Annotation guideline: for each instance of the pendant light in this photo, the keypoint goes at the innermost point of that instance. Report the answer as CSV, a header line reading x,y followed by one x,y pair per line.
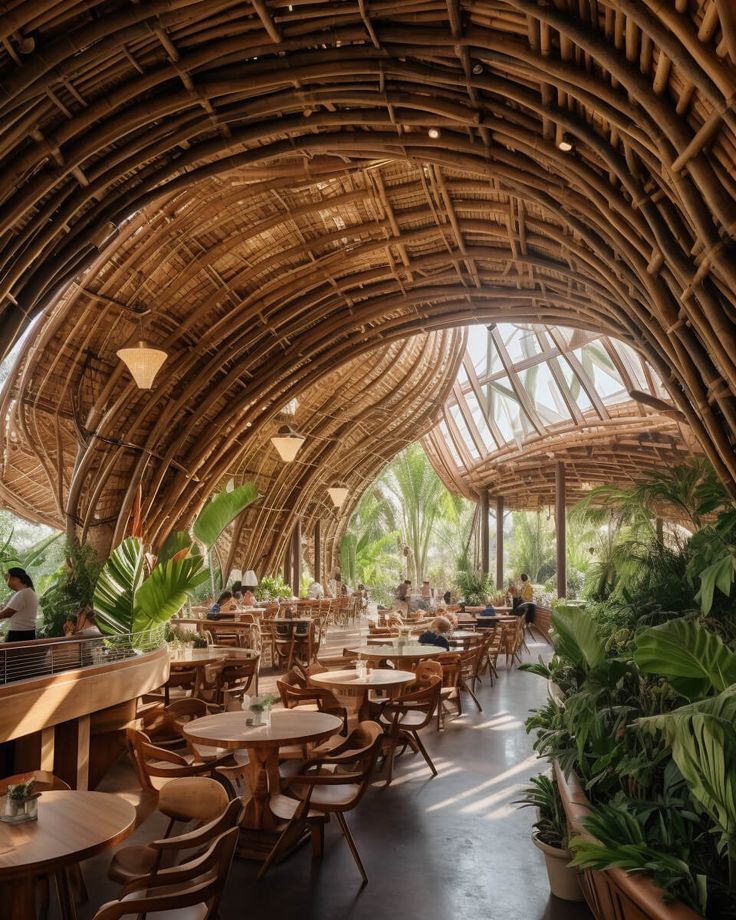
x,y
338,494
287,442
143,362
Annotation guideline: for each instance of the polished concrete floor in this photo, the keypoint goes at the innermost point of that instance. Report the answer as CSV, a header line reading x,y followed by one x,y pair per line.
x,y
449,848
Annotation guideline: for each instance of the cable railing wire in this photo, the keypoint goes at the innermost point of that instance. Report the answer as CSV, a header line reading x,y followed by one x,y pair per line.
x,y
44,658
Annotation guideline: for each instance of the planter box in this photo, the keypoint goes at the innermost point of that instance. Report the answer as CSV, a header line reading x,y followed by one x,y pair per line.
x,y
612,894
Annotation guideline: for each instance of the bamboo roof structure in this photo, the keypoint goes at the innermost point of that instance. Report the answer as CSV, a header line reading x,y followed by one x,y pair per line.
x,y
278,192
528,396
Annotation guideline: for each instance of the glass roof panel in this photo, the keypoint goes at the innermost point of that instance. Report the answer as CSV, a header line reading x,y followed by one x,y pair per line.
x,y
546,369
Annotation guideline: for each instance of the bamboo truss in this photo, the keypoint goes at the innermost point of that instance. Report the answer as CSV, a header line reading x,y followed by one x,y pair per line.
x,y
256,184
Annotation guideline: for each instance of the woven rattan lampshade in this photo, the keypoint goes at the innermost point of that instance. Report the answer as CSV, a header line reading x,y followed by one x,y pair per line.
x,y
338,494
143,362
250,579
287,442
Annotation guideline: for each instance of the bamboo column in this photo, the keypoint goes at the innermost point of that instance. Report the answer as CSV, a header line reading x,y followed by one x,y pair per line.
x,y
659,526
318,551
499,542
560,527
287,562
296,558
485,543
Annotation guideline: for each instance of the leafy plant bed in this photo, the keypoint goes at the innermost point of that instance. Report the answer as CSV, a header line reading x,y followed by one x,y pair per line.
x,y
610,893
643,724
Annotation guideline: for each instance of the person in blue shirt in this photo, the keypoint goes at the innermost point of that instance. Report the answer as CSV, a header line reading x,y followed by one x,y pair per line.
x,y
488,611
223,602
435,634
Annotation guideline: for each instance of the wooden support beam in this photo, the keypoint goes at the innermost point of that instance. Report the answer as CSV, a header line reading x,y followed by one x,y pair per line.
x,y
296,558
561,528
485,547
499,542
318,550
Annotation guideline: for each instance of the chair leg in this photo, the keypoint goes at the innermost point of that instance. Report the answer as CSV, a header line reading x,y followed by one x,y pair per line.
x,y
475,698
287,835
351,843
389,758
423,752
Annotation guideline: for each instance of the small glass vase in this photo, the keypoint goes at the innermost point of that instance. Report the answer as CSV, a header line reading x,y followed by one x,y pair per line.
x,y
18,811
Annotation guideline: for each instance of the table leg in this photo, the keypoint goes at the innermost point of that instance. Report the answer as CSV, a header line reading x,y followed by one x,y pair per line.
x,y
263,773
18,898
66,899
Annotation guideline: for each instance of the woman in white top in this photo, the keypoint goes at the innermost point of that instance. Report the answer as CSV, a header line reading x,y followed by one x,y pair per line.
x,y
22,607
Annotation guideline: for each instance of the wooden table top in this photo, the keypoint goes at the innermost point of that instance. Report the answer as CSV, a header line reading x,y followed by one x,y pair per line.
x,y
198,657
410,650
289,620
71,826
379,677
462,634
288,726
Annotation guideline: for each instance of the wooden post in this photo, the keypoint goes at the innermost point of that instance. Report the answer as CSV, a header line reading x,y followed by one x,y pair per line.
x,y
499,542
296,558
318,551
659,525
485,542
287,561
560,527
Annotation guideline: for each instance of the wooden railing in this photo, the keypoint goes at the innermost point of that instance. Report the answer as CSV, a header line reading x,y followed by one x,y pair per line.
x,y
66,703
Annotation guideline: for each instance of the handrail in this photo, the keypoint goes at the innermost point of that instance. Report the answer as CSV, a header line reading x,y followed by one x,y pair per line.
x,y
42,657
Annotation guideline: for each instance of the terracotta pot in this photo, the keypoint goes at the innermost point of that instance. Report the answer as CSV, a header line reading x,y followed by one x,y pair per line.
x,y
563,880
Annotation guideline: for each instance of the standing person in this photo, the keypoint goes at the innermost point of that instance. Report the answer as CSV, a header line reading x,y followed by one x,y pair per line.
x,y
403,591
526,607
22,608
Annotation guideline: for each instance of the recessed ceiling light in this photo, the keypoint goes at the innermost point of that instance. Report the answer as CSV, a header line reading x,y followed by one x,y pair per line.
x,y
565,143
478,69
434,133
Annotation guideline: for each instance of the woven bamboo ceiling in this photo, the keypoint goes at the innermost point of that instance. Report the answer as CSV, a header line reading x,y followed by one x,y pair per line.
x,y
528,396
285,189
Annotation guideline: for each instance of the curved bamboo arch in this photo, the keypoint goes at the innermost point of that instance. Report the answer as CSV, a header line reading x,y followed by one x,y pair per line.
x,y
207,160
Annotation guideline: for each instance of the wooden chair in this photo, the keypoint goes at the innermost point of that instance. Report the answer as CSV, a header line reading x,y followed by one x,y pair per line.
x,y
469,663
403,718
450,691
331,783
320,698
163,724
230,680
156,763
188,892
144,861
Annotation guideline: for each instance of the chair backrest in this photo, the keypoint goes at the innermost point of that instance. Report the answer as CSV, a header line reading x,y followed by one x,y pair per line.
x,y
358,755
450,663
43,781
426,670
199,881
424,699
150,760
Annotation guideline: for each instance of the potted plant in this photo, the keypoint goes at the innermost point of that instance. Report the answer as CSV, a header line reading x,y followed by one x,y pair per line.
x,y
259,709
21,802
549,835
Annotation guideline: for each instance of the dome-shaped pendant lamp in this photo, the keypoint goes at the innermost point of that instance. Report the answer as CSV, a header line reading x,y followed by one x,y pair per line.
x,y
143,362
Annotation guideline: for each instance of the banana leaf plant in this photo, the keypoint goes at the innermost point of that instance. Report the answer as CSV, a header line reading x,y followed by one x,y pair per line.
x,y
130,597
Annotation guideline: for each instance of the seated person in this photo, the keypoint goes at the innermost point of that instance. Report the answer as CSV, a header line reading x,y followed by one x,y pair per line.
x,y
249,598
435,634
224,602
315,592
488,611
84,625
447,597
526,606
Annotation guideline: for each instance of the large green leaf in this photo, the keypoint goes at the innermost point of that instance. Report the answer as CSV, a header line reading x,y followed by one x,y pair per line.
x,y
703,742
174,544
695,661
166,589
220,511
34,553
119,580
577,637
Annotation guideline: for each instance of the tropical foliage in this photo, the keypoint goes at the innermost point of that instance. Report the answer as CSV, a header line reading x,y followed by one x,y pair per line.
x,y
646,716
133,595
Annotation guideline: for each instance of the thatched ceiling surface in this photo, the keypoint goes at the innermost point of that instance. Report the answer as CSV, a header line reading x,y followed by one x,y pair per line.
x,y
260,176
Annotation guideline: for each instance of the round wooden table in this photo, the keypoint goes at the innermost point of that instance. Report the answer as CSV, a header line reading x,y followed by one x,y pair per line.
x,y
288,726
354,690
71,826
411,654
